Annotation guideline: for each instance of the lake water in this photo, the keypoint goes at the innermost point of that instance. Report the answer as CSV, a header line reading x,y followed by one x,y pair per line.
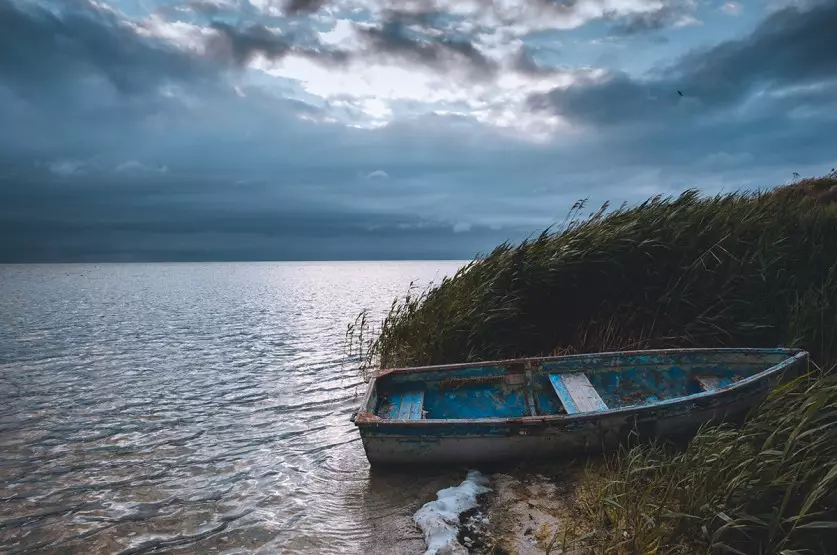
x,y
195,408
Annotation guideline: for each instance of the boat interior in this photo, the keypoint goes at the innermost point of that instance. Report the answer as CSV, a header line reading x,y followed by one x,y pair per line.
x,y
565,385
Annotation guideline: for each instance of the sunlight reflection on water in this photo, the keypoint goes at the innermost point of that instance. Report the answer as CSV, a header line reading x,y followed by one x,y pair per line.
x,y
194,408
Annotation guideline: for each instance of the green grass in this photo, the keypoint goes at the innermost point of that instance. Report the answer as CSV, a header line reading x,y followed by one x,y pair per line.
x,y
769,486
757,269
739,269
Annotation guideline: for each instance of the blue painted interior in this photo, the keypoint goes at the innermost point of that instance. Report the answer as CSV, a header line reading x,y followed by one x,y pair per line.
x,y
484,399
488,392
404,405
641,386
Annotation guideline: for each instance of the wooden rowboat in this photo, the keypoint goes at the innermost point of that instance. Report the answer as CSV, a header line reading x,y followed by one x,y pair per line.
x,y
535,407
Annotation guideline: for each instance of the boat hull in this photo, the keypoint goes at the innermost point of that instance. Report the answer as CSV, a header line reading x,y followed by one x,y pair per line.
x,y
487,440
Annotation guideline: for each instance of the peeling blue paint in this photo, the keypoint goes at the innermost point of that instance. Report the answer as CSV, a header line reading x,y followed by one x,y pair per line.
x,y
403,405
563,395
443,400
510,408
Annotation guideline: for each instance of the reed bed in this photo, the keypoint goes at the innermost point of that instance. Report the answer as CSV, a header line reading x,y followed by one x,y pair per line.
x,y
769,486
750,269
754,269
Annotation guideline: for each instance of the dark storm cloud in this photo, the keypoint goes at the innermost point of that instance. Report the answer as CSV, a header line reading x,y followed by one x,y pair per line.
x,y
499,8
90,219
304,6
71,66
76,78
65,126
245,43
791,48
83,93
39,47
408,37
396,40
80,42
242,44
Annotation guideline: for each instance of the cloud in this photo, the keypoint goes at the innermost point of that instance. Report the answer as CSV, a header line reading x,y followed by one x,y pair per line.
x,y
77,80
790,48
83,41
523,17
291,200
66,168
259,118
164,60
395,39
732,8
85,44
241,45
686,20
135,167
667,15
89,219
383,61
377,174
77,77
297,6
525,63
209,7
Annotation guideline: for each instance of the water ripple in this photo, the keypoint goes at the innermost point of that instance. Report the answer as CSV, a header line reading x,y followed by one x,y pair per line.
x,y
193,408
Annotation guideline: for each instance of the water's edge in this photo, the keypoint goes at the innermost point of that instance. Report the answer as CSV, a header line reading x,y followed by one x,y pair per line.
x,y
196,408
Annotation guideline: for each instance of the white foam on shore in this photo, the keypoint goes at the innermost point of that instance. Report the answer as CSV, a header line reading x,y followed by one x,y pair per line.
x,y
439,520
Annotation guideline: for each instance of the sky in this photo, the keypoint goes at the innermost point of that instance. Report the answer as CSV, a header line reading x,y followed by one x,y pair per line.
x,y
389,129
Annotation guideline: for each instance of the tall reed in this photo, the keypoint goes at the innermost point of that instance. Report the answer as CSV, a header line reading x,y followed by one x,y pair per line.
x,y
756,269
737,269
769,486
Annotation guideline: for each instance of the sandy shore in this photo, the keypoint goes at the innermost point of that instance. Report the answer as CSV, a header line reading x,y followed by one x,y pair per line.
x,y
529,511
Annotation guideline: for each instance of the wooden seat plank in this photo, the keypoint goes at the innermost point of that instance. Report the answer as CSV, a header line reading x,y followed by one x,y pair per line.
x,y
407,405
577,393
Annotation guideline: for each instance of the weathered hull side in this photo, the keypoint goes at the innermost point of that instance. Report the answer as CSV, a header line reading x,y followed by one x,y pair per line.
x,y
469,441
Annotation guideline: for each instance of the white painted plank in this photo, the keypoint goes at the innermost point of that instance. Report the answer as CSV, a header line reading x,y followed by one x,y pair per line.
x,y
577,393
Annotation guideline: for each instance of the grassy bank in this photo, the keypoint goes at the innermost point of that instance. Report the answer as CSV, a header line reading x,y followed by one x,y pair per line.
x,y
742,269
754,270
769,486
